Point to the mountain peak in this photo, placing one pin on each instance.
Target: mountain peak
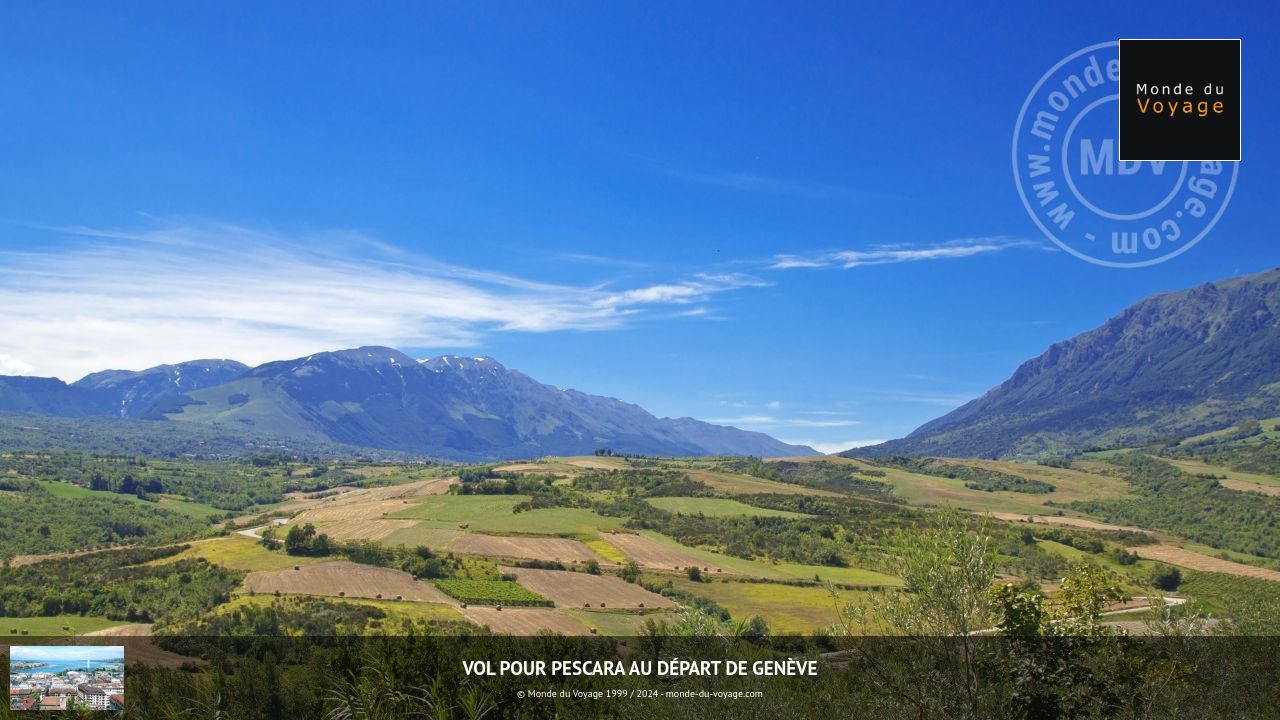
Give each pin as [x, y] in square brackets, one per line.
[1173, 364]
[445, 363]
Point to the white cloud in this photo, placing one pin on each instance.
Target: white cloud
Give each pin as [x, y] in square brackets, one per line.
[682, 293]
[892, 254]
[801, 422]
[774, 405]
[827, 448]
[13, 366]
[136, 299]
[744, 420]
[772, 421]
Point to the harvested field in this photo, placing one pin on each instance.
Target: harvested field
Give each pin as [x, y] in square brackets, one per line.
[521, 467]
[1194, 560]
[319, 494]
[751, 485]
[532, 548]
[379, 529]
[20, 560]
[1245, 486]
[419, 534]
[434, 486]
[652, 554]
[364, 503]
[344, 579]
[577, 590]
[525, 621]
[597, 464]
[132, 630]
[1060, 520]
[348, 510]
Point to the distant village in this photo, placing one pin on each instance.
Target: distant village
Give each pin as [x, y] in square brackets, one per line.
[31, 688]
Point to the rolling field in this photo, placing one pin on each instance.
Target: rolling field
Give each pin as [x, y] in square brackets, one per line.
[620, 624]
[1235, 479]
[418, 534]
[751, 485]
[789, 610]
[1069, 485]
[396, 610]
[363, 503]
[1062, 520]
[348, 507]
[716, 507]
[666, 554]
[53, 626]
[654, 554]
[605, 550]
[491, 592]
[355, 529]
[238, 552]
[578, 590]
[493, 514]
[1195, 561]
[1221, 590]
[525, 622]
[340, 578]
[1268, 431]
[69, 491]
[531, 548]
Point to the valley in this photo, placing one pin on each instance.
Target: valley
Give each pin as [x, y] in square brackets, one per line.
[587, 544]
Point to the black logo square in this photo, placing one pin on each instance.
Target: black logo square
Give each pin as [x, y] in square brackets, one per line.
[1179, 100]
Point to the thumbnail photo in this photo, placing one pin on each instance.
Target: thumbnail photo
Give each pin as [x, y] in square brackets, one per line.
[66, 677]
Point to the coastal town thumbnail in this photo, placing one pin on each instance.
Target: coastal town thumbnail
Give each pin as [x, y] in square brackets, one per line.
[65, 677]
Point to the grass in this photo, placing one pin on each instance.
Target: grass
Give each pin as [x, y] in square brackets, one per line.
[493, 514]
[396, 610]
[1219, 591]
[69, 491]
[1069, 485]
[492, 592]
[751, 485]
[238, 552]
[190, 509]
[780, 571]
[435, 538]
[605, 550]
[789, 610]
[618, 624]
[1243, 558]
[1243, 480]
[52, 626]
[716, 507]
[1136, 573]
[1267, 432]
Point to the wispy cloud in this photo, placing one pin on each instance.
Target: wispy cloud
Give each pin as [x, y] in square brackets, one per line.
[132, 299]
[601, 260]
[685, 292]
[892, 254]
[945, 400]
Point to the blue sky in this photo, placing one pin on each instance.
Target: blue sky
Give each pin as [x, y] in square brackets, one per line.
[610, 197]
[66, 653]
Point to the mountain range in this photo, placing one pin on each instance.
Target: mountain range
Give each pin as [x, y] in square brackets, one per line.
[456, 408]
[1172, 365]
